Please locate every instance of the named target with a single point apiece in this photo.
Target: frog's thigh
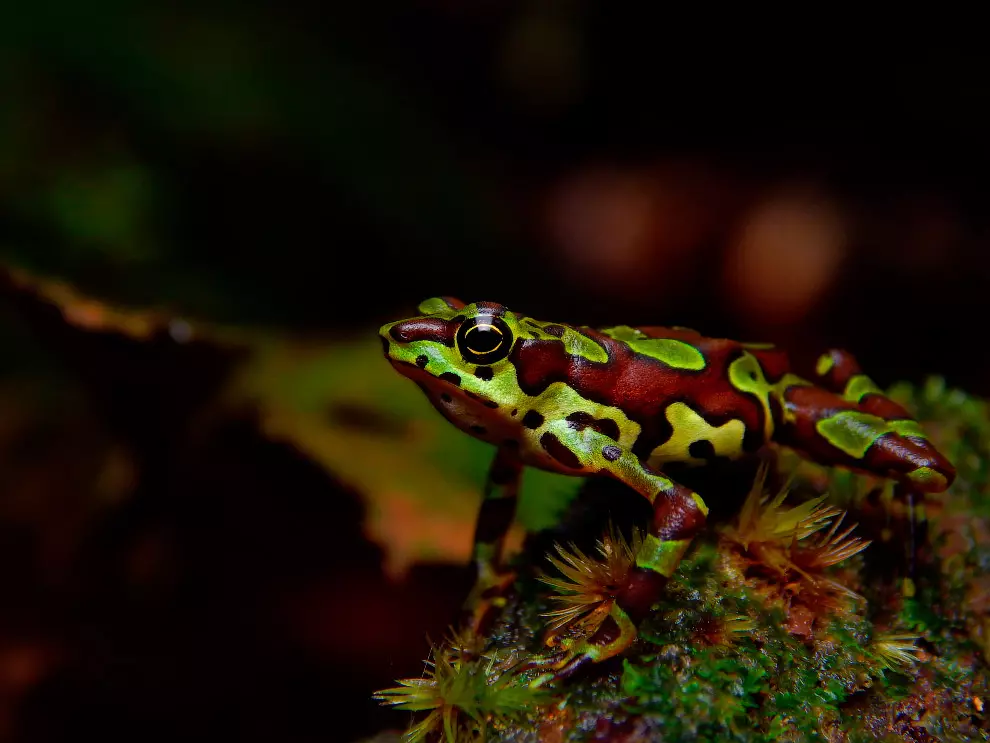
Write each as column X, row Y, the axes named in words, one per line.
column 833, row 430
column 837, row 369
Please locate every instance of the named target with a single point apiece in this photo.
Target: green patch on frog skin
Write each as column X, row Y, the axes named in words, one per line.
column 926, row 476
column 689, row 427
column 746, row 375
column 824, row 364
column 554, row 404
column 854, row 432
column 859, row 386
column 432, row 306
column 575, row 343
column 676, row 354
column 624, row 333
column 560, row 400
column 781, row 386
column 661, row 555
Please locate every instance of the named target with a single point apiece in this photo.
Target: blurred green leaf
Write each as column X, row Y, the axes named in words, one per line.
column 345, row 406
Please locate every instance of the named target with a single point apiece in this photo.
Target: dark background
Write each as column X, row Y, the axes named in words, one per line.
column 322, row 170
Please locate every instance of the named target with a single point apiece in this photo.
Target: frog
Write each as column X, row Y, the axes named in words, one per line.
column 627, row 403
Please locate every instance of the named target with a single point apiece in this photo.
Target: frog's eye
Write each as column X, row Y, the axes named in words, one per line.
column 484, row 340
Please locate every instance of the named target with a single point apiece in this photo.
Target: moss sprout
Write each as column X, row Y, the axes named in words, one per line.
column 462, row 692
column 896, row 651
column 587, row 586
column 795, row 546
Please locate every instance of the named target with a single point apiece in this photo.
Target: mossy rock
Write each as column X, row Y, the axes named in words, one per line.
column 735, row 651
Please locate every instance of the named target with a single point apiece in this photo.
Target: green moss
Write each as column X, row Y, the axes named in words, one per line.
column 700, row 696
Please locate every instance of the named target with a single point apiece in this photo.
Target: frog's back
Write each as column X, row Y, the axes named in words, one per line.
column 693, row 398
column 710, row 397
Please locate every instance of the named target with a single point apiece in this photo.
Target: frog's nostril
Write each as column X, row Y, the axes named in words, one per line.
column 385, row 344
column 399, row 333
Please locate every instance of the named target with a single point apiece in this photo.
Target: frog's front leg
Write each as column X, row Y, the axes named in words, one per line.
column 678, row 515
column 495, row 517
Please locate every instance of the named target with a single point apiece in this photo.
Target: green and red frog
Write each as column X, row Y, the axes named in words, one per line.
column 625, row 401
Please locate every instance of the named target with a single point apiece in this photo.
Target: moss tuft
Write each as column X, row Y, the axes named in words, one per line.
column 462, row 692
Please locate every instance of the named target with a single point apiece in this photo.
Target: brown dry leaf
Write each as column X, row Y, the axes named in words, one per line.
column 341, row 404
column 92, row 314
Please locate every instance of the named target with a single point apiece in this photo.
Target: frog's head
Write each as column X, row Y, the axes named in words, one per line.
column 453, row 348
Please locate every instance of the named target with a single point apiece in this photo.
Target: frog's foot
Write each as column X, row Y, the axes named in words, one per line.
column 486, row 599
column 616, row 633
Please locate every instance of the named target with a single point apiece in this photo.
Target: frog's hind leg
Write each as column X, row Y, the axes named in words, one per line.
column 848, row 421
column 839, row 372
column 495, row 517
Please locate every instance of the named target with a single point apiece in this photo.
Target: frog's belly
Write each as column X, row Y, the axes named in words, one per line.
column 536, row 447
column 539, row 458
column 476, row 420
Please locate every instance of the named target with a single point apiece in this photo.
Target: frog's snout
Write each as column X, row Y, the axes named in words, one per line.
column 403, row 331
column 400, row 338
column 385, row 338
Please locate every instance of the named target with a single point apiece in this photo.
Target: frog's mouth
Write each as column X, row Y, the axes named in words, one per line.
column 421, row 375
column 447, row 385
column 407, row 369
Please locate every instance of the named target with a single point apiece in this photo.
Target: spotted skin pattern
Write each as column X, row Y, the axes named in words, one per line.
column 623, row 402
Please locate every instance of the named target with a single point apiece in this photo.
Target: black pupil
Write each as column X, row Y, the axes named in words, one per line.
column 483, row 339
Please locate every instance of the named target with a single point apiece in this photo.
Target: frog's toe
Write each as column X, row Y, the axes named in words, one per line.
column 612, row 638
column 557, row 666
